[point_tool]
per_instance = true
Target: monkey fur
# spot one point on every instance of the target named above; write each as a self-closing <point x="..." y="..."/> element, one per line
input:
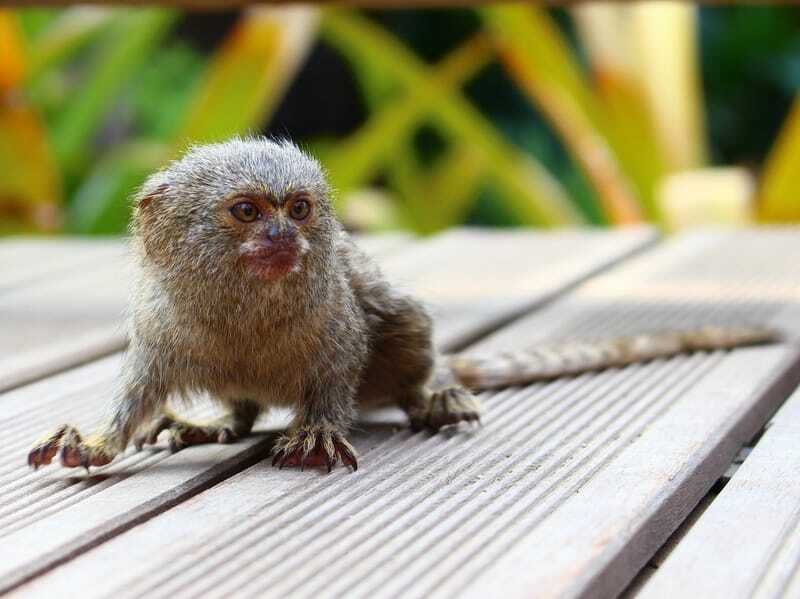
<point x="248" y="289"/>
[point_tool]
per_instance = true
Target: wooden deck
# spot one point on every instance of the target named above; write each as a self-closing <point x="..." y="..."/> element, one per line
<point x="570" y="488"/>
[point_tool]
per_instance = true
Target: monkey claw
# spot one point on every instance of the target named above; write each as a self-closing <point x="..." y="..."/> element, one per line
<point x="73" y="451"/>
<point x="183" y="434"/>
<point x="314" y="448"/>
<point x="447" y="407"/>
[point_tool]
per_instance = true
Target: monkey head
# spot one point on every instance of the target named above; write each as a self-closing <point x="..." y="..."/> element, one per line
<point x="256" y="208"/>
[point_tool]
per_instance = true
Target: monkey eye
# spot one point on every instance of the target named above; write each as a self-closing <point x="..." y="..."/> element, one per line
<point x="299" y="209"/>
<point x="245" y="212"/>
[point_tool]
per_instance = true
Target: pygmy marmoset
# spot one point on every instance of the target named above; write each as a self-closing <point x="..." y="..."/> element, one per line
<point x="249" y="289"/>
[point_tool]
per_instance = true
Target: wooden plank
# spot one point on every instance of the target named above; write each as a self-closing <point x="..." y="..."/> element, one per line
<point x="61" y="302"/>
<point x="61" y="322"/>
<point x="566" y="490"/>
<point x="474" y="280"/>
<point x="64" y="300"/>
<point x="747" y="543"/>
<point x="383" y="244"/>
<point x="26" y="260"/>
<point x="52" y="515"/>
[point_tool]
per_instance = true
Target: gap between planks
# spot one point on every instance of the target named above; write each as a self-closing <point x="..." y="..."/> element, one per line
<point x="747" y="543"/>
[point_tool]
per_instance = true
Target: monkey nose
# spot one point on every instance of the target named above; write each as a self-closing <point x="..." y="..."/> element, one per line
<point x="275" y="232"/>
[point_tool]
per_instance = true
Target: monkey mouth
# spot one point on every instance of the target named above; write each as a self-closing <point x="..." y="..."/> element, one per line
<point x="272" y="264"/>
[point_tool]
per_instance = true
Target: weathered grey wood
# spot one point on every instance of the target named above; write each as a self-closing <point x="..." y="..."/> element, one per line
<point x="60" y="305"/>
<point x="60" y="302"/>
<point x="50" y="517"/>
<point x="566" y="490"/>
<point x="473" y="280"/>
<point x="663" y="552"/>
<point x="747" y="544"/>
<point x="383" y="244"/>
<point x="26" y="260"/>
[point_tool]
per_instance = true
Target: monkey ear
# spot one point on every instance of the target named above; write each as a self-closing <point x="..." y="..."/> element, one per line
<point x="150" y="193"/>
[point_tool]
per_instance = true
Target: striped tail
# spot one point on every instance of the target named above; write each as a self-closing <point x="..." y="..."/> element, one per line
<point x="555" y="360"/>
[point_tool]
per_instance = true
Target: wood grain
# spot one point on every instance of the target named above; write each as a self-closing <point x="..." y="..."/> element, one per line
<point x="66" y="311"/>
<point x="566" y="490"/>
<point x="747" y="543"/>
<point x="26" y="260"/>
<point x="51" y="516"/>
<point x="474" y="280"/>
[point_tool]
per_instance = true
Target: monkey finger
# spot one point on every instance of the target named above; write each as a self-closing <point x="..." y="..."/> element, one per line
<point x="150" y="435"/>
<point x="76" y="453"/>
<point x="347" y="455"/>
<point x="46" y="449"/>
<point x="41" y="455"/>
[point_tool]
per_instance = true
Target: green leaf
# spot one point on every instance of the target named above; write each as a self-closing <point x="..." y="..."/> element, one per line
<point x="65" y="34"/>
<point x="249" y="74"/>
<point x="102" y="203"/>
<point x="449" y="189"/>
<point x="538" y="58"/>
<point x="357" y="159"/>
<point x="160" y="92"/>
<point x="124" y="47"/>
<point x="35" y="20"/>
<point x="531" y="193"/>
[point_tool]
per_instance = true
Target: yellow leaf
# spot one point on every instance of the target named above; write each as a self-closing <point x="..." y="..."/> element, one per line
<point x="665" y="34"/>
<point x="779" y="198"/>
<point x="30" y="191"/>
<point x="604" y="30"/>
<point x="249" y="74"/>
<point x="12" y="51"/>
<point x="538" y="59"/>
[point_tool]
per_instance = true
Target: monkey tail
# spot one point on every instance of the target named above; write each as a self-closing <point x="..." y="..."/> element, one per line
<point x="570" y="358"/>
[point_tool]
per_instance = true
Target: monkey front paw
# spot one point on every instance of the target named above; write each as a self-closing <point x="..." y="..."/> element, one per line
<point x="73" y="451"/>
<point x="183" y="434"/>
<point x="314" y="447"/>
<point x="446" y="407"/>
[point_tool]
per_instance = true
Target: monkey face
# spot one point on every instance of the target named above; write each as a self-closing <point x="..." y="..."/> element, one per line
<point x="253" y="208"/>
<point x="272" y="233"/>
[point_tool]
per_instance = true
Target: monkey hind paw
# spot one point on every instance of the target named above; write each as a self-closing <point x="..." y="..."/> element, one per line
<point x="314" y="447"/>
<point x="447" y="407"/>
<point x="73" y="451"/>
<point x="183" y="434"/>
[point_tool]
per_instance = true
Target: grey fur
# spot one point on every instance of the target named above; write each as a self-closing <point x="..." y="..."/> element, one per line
<point x="325" y="339"/>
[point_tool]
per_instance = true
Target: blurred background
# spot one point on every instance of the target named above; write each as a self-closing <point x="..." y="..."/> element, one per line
<point x="505" y="115"/>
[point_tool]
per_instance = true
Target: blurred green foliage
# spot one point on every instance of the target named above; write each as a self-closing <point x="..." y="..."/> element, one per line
<point x="501" y="115"/>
